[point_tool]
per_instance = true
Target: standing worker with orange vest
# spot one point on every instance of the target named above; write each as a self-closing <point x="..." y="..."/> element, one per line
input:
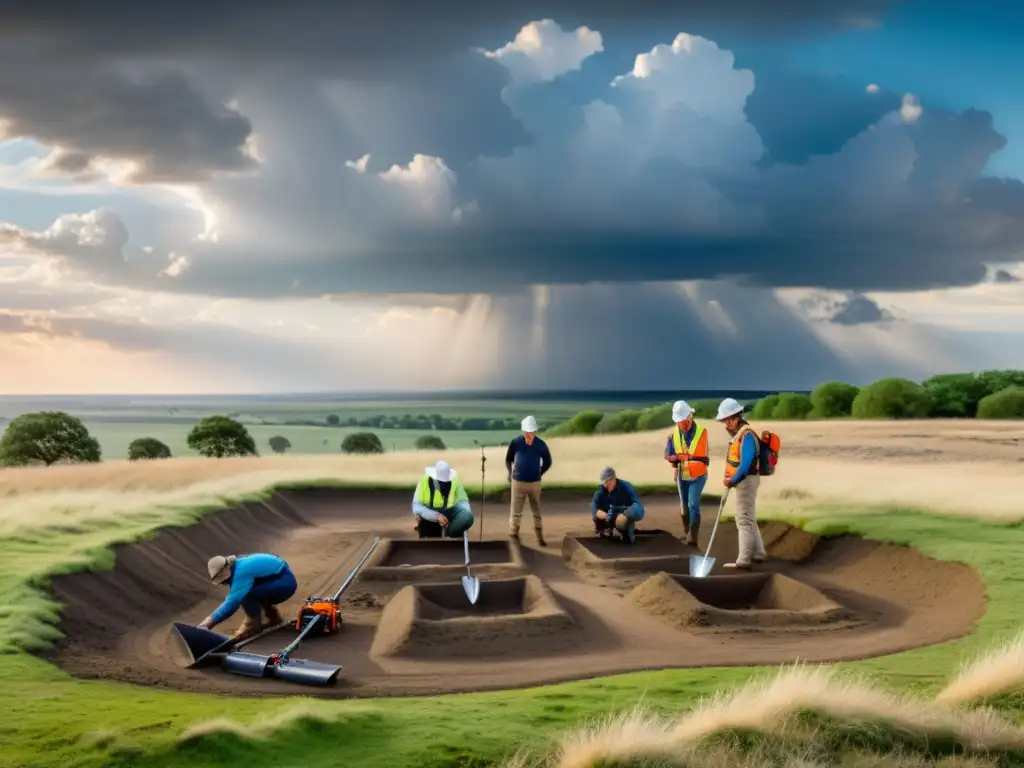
<point x="741" y="473"/>
<point x="687" y="451"/>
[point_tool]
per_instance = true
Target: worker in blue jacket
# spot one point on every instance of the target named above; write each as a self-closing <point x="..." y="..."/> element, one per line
<point x="259" y="583"/>
<point x="616" y="507"/>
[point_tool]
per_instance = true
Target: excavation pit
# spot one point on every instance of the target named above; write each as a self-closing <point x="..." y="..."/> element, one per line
<point x="512" y="617"/>
<point x="441" y="560"/>
<point x="654" y="550"/>
<point x="736" y="602"/>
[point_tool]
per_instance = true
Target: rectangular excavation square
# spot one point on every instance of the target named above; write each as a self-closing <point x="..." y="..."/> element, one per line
<point x="654" y="550"/>
<point x="512" y="618"/>
<point x="432" y="560"/>
<point x="756" y="600"/>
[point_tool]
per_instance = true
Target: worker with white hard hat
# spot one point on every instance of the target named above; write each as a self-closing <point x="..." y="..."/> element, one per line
<point x="741" y="473"/>
<point x="687" y="451"/>
<point x="440" y="504"/>
<point x="527" y="461"/>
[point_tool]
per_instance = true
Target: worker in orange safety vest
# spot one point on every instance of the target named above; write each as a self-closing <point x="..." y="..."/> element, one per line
<point x="687" y="451"/>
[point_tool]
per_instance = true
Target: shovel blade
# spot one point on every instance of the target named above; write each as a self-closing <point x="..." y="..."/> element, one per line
<point x="700" y="565"/>
<point x="305" y="672"/>
<point x="200" y="644"/>
<point x="472" y="586"/>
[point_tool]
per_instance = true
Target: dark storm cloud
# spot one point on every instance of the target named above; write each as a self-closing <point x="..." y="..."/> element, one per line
<point x="1002" y="276"/>
<point x="860" y="310"/>
<point x="159" y="119"/>
<point x="364" y="38"/>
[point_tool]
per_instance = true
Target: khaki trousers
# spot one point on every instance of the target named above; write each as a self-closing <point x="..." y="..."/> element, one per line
<point x="750" y="542"/>
<point x="520" y="493"/>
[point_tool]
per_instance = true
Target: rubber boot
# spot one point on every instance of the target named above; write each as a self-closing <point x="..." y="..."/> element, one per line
<point x="695" y="534"/>
<point x="687" y="535"/>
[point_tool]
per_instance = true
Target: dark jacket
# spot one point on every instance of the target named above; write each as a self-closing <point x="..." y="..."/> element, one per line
<point x="527" y="463"/>
<point x="622" y="496"/>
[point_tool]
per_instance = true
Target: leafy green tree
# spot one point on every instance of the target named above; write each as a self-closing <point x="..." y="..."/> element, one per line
<point x="997" y="381"/>
<point x="892" y="398"/>
<point x="221" y="436"/>
<point x="429" y="443"/>
<point x="279" y="444"/>
<point x="833" y="400"/>
<point x="955" y="395"/>
<point x="148" y="448"/>
<point x="705" y="409"/>
<point x="47" y="437"/>
<point x="362" y="442"/>
<point x="764" y="407"/>
<point x="334" y="420"/>
<point x="792" y="406"/>
<point x="1006" y="404"/>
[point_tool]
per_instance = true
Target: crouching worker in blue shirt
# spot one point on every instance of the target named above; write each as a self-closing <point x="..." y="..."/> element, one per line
<point x="616" y="507"/>
<point x="259" y="583"/>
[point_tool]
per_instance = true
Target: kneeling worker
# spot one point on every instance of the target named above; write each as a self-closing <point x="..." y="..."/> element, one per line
<point x="258" y="582"/>
<point x="616" y="507"/>
<point x="440" y="503"/>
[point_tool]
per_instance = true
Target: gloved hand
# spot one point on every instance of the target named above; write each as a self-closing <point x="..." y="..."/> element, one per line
<point x="206" y="623"/>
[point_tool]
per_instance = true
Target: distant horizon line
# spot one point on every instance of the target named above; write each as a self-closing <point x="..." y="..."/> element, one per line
<point x="407" y="394"/>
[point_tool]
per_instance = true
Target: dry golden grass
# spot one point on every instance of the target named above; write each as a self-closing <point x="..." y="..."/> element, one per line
<point x="964" y="468"/>
<point x="996" y="673"/>
<point x="796" y="708"/>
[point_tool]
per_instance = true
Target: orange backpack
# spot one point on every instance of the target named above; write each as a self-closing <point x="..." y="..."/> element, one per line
<point x="768" y="456"/>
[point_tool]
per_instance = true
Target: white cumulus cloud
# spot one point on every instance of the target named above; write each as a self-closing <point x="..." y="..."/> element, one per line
<point x="542" y="51"/>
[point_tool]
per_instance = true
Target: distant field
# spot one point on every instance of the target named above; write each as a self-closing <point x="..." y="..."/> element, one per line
<point x="115" y="437"/>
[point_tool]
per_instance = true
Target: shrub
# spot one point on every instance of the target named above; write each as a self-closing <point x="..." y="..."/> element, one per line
<point x="221" y="436"/>
<point x="997" y="381"/>
<point x="705" y="409"/>
<point x="618" y="422"/>
<point x="655" y="417"/>
<point x="833" y="400"/>
<point x="792" y="406"/>
<point x="279" y="444"/>
<point x="429" y="443"/>
<point x="583" y="423"/>
<point x="47" y="437"/>
<point x="956" y="395"/>
<point x="362" y="442"/>
<point x="1005" y="404"/>
<point x="764" y="407"/>
<point x="334" y="419"/>
<point x="148" y="448"/>
<point x="892" y="398"/>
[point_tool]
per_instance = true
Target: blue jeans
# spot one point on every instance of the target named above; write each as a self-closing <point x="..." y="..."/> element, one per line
<point x="633" y="512"/>
<point x="689" y="495"/>
<point x="271" y="592"/>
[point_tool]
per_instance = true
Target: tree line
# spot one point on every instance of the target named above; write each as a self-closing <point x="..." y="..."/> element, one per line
<point x="55" y="437"/>
<point x="997" y="394"/>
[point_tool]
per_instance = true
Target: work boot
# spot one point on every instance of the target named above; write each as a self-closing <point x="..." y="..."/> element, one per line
<point x="540" y="539"/>
<point x="273" y="615"/>
<point x="738" y="566"/>
<point x="630" y="532"/>
<point x="694" y="534"/>
<point x="249" y="628"/>
<point x="687" y="536"/>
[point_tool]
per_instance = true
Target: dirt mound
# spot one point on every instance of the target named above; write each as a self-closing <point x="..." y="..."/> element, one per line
<point x="403" y="633"/>
<point x="745" y="600"/>
<point x="513" y="617"/>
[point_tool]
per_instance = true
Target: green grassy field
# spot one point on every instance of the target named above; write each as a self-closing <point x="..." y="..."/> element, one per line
<point x="115" y="437"/>
<point x="48" y="718"/>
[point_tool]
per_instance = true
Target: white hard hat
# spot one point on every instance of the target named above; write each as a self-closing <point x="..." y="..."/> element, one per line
<point x="529" y="424"/>
<point x="728" y="407"/>
<point x="681" y="410"/>
<point x="440" y="472"/>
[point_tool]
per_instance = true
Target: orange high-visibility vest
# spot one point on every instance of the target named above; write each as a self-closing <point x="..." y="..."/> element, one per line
<point x="733" y="458"/>
<point x="698" y="448"/>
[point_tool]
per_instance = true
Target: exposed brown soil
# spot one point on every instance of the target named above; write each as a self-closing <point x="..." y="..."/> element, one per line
<point x="542" y="617"/>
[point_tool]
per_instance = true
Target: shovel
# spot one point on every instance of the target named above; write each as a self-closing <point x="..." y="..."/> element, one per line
<point x="469" y="582"/>
<point x="701" y="565"/>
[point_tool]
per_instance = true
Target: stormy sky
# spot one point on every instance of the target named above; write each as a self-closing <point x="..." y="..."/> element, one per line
<point x="308" y="196"/>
